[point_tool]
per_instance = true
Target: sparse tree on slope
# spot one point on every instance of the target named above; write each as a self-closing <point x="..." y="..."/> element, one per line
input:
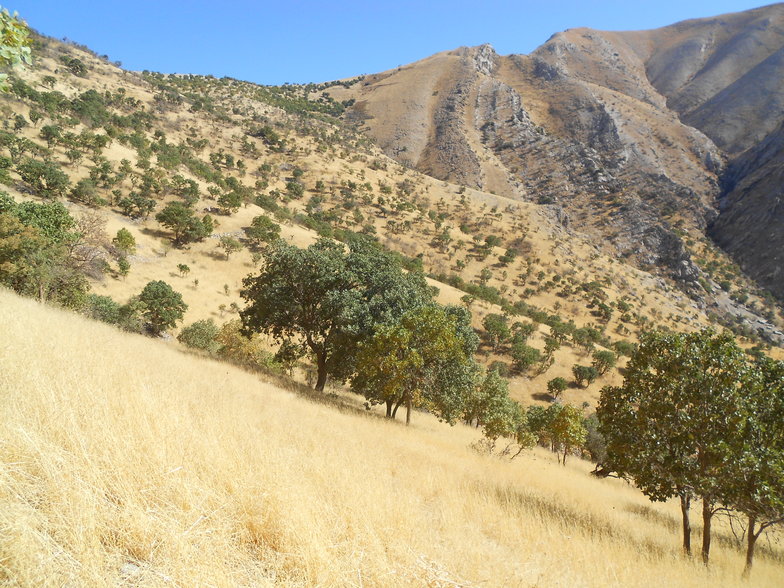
<point x="753" y="481"/>
<point x="326" y="300"/>
<point x="667" y="427"/>
<point x="163" y="307"/>
<point x="418" y="361"/>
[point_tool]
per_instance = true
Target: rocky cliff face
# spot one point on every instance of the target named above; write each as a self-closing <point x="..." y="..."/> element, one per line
<point x="630" y="133"/>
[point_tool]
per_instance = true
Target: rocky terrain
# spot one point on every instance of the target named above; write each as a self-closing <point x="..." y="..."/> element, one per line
<point x="635" y="136"/>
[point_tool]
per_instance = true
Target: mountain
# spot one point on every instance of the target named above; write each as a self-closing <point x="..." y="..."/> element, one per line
<point x="553" y="247"/>
<point x="636" y="136"/>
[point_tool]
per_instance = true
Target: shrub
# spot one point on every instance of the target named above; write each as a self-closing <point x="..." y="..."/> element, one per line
<point x="201" y="335"/>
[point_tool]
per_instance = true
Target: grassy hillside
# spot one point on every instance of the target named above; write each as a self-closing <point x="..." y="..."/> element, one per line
<point x="198" y="139"/>
<point x="127" y="462"/>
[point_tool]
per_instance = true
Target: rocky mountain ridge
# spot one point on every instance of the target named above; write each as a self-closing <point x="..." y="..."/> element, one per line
<point x="637" y="136"/>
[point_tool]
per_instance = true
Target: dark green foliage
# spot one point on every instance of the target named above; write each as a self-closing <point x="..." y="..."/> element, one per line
<point x="262" y="230"/>
<point x="201" y="335"/>
<point x="497" y="328"/>
<point x="186" y="226"/>
<point x="295" y="190"/>
<point x="44" y="177"/>
<point x="524" y="356"/>
<point x="556" y="387"/>
<point x="604" y="361"/>
<point x="91" y="109"/>
<point x="230" y="202"/>
<point x="671" y="427"/>
<point x="752" y="482"/>
<point x="584" y="375"/>
<point x="102" y="308"/>
<point x="75" y="65"/>
<point x="162" y="306"/>
<point x="521" y="331"/>
<point x="86" y="192"/>
<point x="327" y="299"/>
<point x="135" y="205"/>
<point x="51" y="134"/>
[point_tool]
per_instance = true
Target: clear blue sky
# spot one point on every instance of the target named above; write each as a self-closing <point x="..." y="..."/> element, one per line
<point x="272" y="42"/>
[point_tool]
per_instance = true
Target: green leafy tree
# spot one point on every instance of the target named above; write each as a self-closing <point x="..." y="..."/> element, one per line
<point x="86" y="192"/>
<point x="497" y="328"/>
<point x="604" y="361"/>
<point x="230" y="202"/>
<point x="51" y="134"/>
<point x="44" y="177"/>
<point x="418" y="361"/>
<point x="201" y="335"/>
<point x="295" y="190"/>
<point x="40" y="253"/>
<point x="20" y="122"/>
<point x="524" y="356"/>
<point x="490" y="407"/>
<point x="229" y="245"/>
<point x="567" y="431"/>
<point x="752" y="481"/>
<point x="125" y="242"/>
<point x="123" y="266"/>
<point x="163" y="307"/>
<point x="14" y="44"/>
<point x="186" y="226"/>
<point x="184" y="269"/>
<point x="538" y="419"/>
<point x="326" y="299"/>
<point x="102" y="308"/>
<point x="262" y="230"/>
<point x="668" y="428"/>
<point x="521" y="331"/>
<point x="584" y="374"/>
<point x="135" y="205"/>
<point x="551" y="345"/>
<point x="556" y="387"/>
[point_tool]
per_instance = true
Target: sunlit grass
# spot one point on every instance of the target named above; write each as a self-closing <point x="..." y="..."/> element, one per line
<point x="124" y="461"/>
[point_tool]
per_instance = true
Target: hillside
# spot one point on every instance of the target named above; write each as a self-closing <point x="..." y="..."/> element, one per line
<point x="237" y="151"/>
<point x="127" y="463"/>
<point x="637" y="136"/>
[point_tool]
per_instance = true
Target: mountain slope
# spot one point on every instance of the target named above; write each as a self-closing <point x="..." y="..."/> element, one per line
<point x="634" y="126"/>
<point x="126" y="463"/>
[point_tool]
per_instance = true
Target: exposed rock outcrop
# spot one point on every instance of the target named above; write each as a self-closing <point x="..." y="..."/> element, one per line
<point x="627" y="132"/>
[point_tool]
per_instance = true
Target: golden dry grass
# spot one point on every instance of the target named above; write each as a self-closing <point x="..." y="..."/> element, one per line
<point x="126" y="462"/>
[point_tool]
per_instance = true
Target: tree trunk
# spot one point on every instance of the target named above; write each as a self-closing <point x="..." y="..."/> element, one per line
<point x="394" y="410"/>
<point x="321" y="367"/>
<point x="408" y="411"/>
<point x="389" y="409"/>
<point x="751" y="541"/>
<point x="685" y="505"/>
<point x="707" y="516"/>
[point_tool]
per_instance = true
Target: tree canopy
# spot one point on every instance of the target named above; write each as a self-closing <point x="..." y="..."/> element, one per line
<point x="325" y="299"/>
<point x="163" y="307"/>
<point x="418" y="361"/>
<point x="671" y="426"/>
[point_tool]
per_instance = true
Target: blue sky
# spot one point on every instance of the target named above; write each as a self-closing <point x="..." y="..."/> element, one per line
<point x="306" y="41"/>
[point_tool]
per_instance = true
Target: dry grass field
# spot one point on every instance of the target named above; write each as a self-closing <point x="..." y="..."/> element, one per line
<point x="125" y="462"/>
